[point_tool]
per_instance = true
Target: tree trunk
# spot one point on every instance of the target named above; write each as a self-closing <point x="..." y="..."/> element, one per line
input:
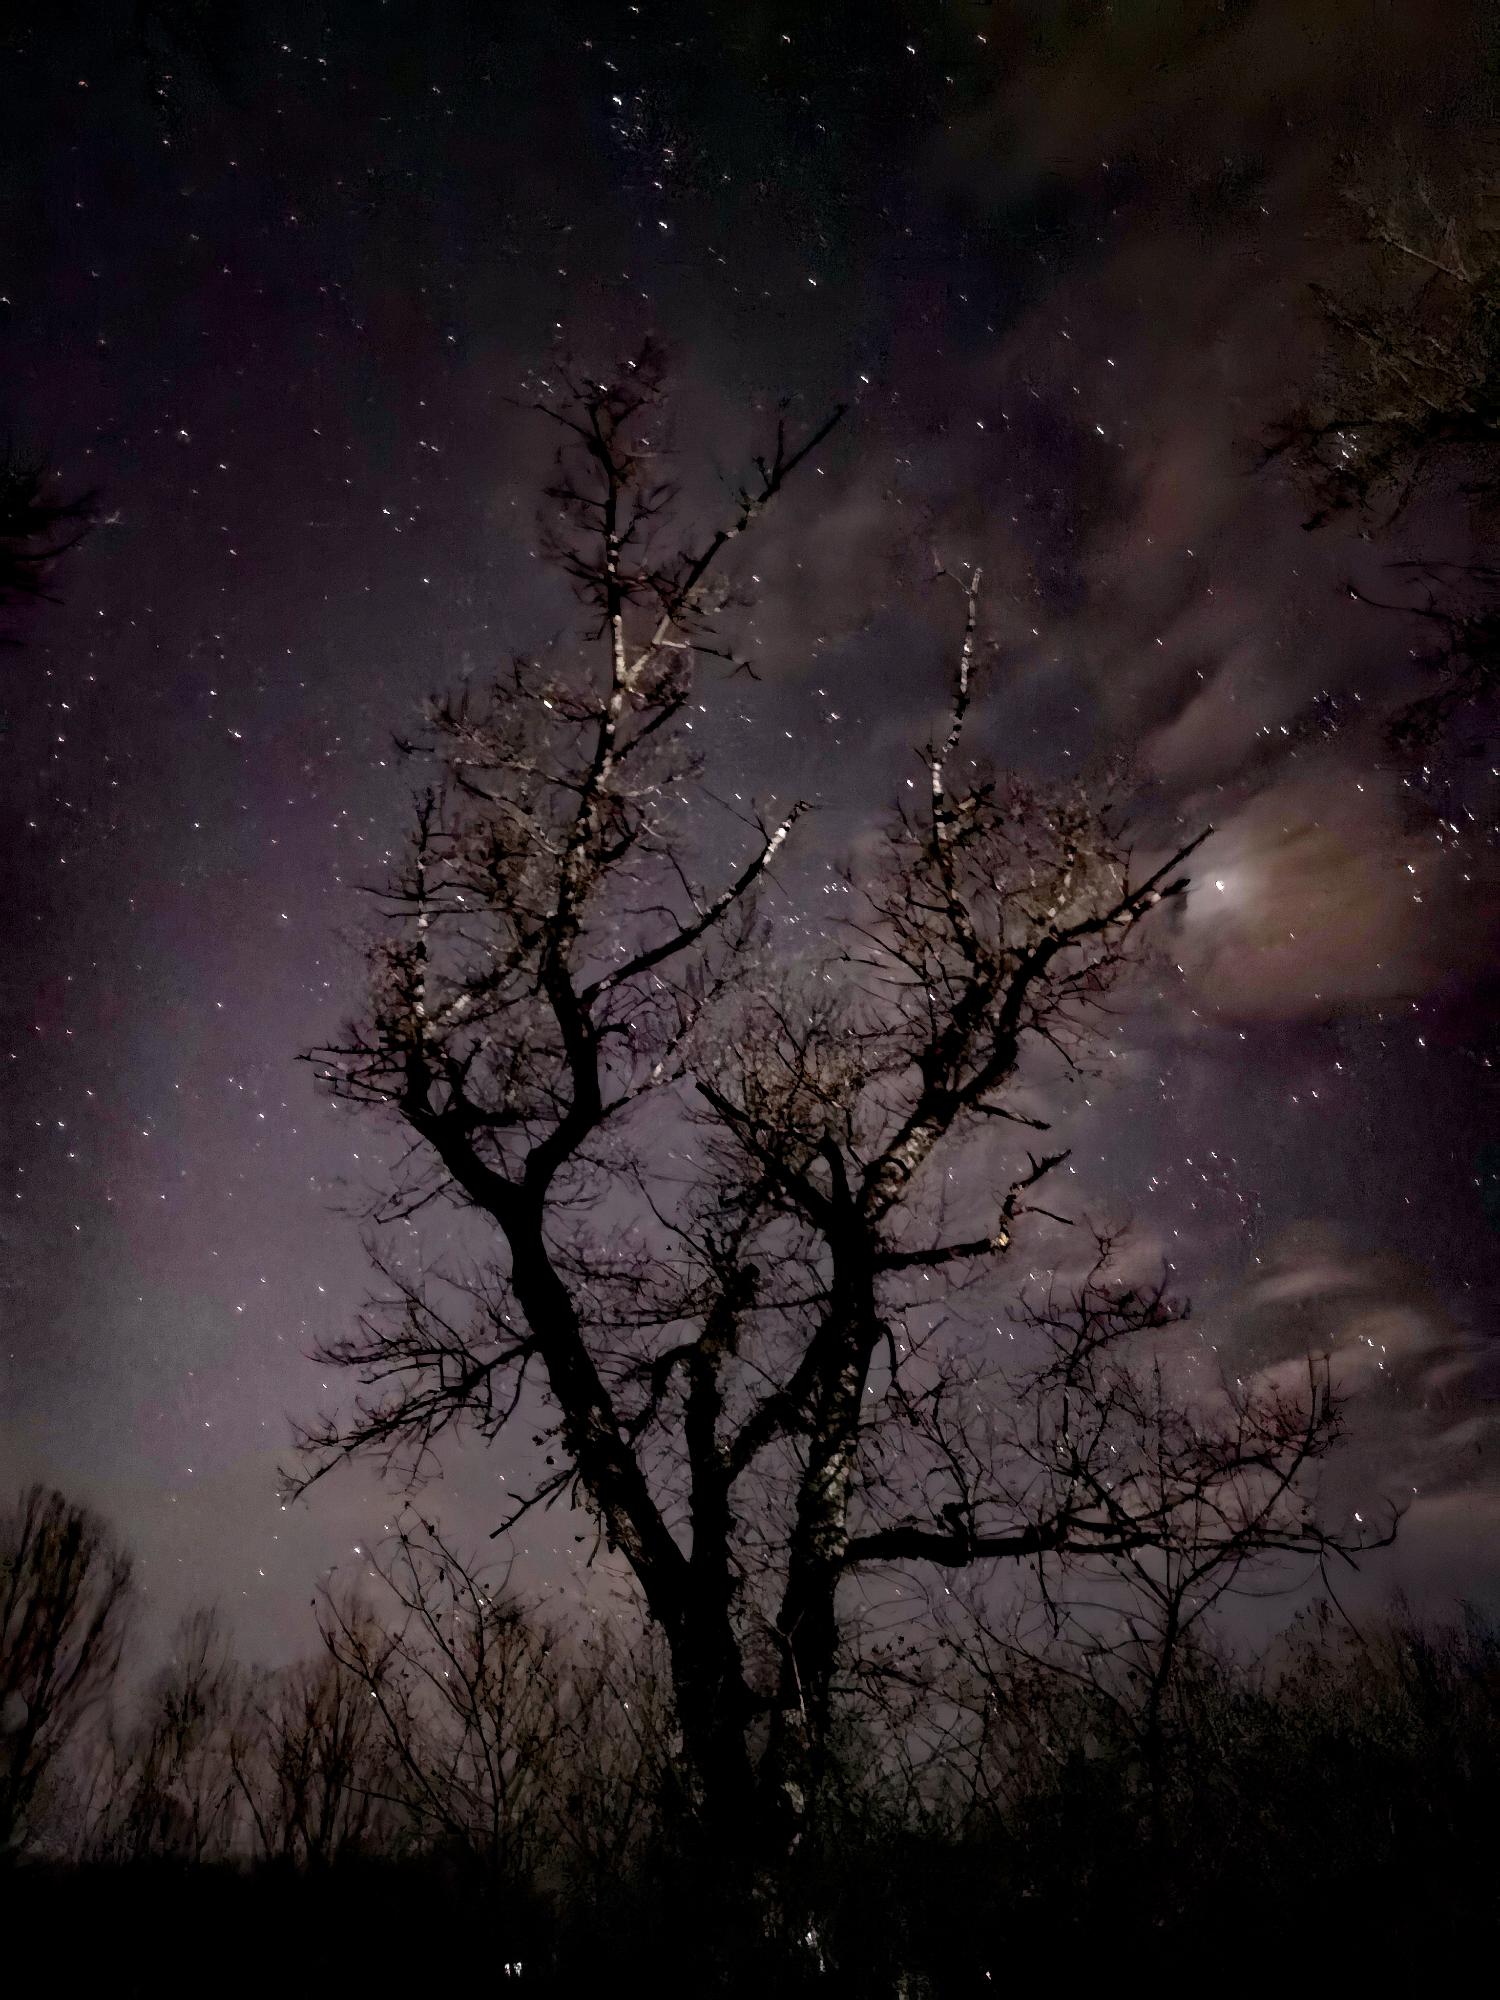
<point x="807" y="1623"/>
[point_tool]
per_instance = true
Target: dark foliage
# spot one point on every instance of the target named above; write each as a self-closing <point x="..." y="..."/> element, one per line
<point x="36" y="527"/>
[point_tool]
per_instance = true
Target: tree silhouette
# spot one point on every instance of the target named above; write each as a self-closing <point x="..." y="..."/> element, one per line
<point x="464" y="1696"/>
<point x="175" y="1793"/>
<point x="1407" y="401"/>
<point x="64" y="1603"/>
<point x="505" y="1741"/>
<point x="741" y="1209"/>
<point x="35" y="527"/>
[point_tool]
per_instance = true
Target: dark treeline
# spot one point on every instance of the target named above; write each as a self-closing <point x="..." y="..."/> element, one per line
<point x="452" y="1786"/>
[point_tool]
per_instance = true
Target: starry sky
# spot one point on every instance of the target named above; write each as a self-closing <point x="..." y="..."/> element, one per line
<point x="275" y="282"/>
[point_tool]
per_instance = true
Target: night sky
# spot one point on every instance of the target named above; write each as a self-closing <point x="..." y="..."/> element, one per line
<point x="277" y="282"/>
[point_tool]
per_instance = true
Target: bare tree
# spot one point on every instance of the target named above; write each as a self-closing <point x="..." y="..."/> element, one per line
<point x="306" y="1753"/>
<point x="738" y="1213"/>
<point x="527" y="1750"/>
<point x="617" y="1744"/>
<point x="1410" y="382"/>
<point x="463" y="1683"/>
<point x="64" y="1605"/>
<point x="1408" y="401"/>
<point x="175" y="1796"/>
<point x="1216" y="1474"/>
